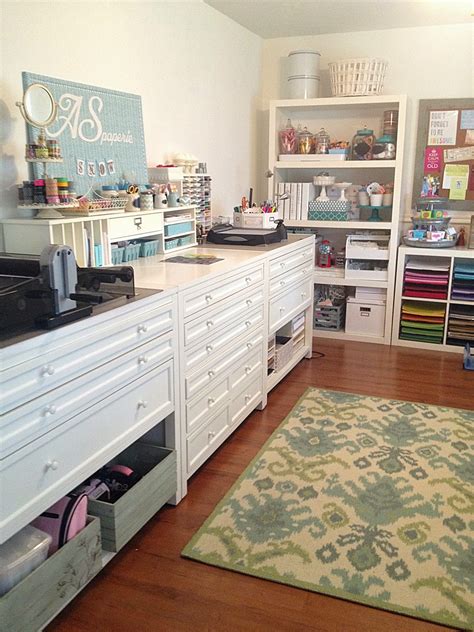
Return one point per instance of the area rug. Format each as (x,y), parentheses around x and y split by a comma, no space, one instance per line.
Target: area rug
(357,497)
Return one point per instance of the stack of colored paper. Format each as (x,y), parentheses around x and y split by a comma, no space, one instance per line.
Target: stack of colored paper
(422,322)
(425,279)
(461,325)
(463,282)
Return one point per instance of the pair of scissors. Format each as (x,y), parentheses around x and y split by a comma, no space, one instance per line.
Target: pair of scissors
(132,189)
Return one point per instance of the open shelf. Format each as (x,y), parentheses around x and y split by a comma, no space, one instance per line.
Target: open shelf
(342,335)
(274,378)
(352,225)
(323,279)
(336,164)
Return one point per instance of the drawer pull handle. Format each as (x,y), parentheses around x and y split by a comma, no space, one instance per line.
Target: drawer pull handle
(211,373)
(248,398)
(248,280)
(142,329)
(143,359)
(248,369)
(248,323)
(210,323)
(51,465)
(211,435)
(142,403)
(303,294)
(208,297)
(211,401)
(249,302)
(50,410)
(209,348)
(47,370)
(249,345)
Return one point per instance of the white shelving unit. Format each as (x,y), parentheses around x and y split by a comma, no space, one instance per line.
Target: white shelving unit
(30,236)
(178,215)
(197,186)
(342,117)
(442,255)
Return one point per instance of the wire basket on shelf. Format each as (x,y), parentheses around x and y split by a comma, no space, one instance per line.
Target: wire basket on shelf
(91,203)
(357,77)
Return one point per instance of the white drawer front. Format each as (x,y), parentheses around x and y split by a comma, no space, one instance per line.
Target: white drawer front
(282,264)
(126,226)
(34,419)
(198,380)
(252,365)
(24,382)
(206,324)
(207,350)
(288,280)
(245,401)
(285,306)
(46,469)
(211,294)
(202,444)
(202,407)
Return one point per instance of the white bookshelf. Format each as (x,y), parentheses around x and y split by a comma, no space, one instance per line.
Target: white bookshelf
(342,117)
(405,253)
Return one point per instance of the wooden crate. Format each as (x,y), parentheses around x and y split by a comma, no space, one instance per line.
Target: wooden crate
(120,521)
(29,605)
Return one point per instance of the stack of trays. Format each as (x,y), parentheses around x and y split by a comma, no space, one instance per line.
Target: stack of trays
(461,325)
(422,322)
(426,280)
(463,282)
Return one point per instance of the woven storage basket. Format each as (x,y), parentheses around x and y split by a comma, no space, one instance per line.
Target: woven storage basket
(357,77)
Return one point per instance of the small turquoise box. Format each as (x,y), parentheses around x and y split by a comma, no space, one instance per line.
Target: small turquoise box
(329,210)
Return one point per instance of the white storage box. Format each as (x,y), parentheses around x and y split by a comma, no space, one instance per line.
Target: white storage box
(256,220)
(365,317)
(161,175)
(20,555)
(366,269)
(370,246)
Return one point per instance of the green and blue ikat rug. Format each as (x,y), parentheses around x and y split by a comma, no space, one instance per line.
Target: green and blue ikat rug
(367,499)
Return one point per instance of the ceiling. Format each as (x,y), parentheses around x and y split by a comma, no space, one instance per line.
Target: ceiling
(279,18)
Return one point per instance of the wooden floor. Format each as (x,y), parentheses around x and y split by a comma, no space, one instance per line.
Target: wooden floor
(148,588)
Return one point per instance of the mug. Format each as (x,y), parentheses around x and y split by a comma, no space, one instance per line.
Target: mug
(173,199)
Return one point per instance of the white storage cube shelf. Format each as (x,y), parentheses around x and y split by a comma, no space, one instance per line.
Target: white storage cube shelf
(370,246)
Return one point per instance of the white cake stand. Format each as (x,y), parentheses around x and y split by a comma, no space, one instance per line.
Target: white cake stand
(342,186)
(323,182)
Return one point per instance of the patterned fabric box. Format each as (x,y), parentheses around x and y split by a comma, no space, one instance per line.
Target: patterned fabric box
(329,210)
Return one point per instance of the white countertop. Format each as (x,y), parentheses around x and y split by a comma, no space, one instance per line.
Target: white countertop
(155,273)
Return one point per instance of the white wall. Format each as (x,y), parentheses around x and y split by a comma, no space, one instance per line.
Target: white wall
(426,62)
(198,73)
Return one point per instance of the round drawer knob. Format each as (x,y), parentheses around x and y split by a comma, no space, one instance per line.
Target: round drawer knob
(248,398)
(249,301)
(52,464)
(282,264)
(143,359)
(208,297)
(48,369)
(248,369)
(211,434)
(211,401)
(248,323)
(142,329)
(211,373)
(282,309)
(282,282)
(209,348)
(249,345)
(248,280)
(142,403)
(50,410)
(303,294)
(210,323)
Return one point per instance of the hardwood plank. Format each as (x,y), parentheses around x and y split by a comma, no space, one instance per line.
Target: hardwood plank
(148,587)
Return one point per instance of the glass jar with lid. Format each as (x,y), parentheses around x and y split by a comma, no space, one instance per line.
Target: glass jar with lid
(287,139)
(322,142)
(305,142)
(362,144)
(384,148)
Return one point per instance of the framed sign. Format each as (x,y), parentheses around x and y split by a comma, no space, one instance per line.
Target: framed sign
(444,161)
(100,133)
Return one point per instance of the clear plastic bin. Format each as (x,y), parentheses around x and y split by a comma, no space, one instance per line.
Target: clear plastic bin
(20,555)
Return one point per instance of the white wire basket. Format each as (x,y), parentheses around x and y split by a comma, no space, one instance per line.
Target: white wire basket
(357,77)
(94,204)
